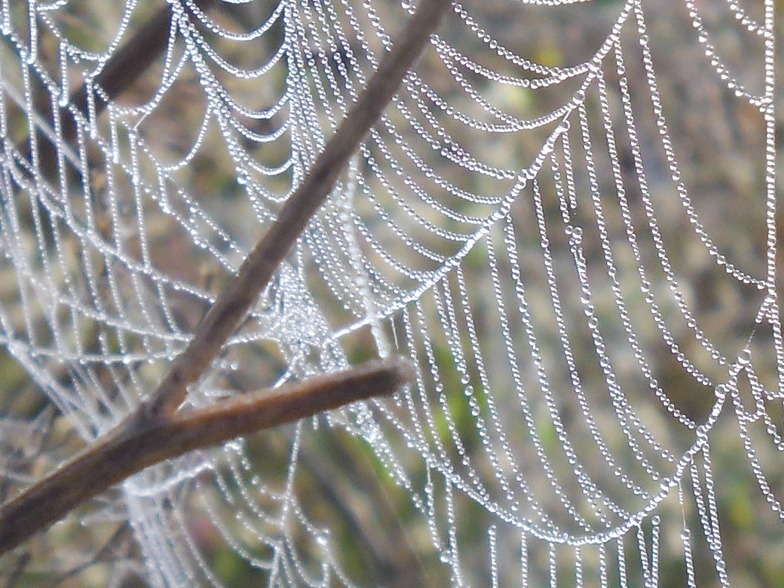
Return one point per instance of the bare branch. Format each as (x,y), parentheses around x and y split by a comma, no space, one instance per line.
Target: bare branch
(135,446)
(243,290)
(121,70)
(156,431)
(133,58)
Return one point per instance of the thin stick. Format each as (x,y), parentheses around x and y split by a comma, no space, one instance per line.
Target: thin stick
(133,58)
(121,70)
(129,62)
(155,431)
(126,451)
(243,290)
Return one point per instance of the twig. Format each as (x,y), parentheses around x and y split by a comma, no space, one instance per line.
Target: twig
(243,290)
(121,70)
(129,62)
(133,58)
(156,431)
(103,555)
(18,569)
(126,451)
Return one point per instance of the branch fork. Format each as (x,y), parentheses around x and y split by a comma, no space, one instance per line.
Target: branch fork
(158,429)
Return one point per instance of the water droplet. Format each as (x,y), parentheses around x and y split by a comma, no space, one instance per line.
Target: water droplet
(744,357)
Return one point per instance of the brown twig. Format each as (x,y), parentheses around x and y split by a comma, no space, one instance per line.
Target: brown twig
(105,554)
(18,569)
(121,70)
(133,58)
(128,450)
(253,276)
(129,62)
(156,431)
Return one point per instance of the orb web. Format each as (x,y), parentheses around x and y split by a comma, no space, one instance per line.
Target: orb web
(566,220)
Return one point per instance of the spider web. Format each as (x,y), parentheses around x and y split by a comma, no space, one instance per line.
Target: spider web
(566,220)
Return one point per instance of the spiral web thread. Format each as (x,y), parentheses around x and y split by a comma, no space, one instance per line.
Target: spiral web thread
(566,220)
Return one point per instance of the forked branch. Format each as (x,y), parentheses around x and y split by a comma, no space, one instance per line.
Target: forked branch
(156,430)
(128,450)
(243,290)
